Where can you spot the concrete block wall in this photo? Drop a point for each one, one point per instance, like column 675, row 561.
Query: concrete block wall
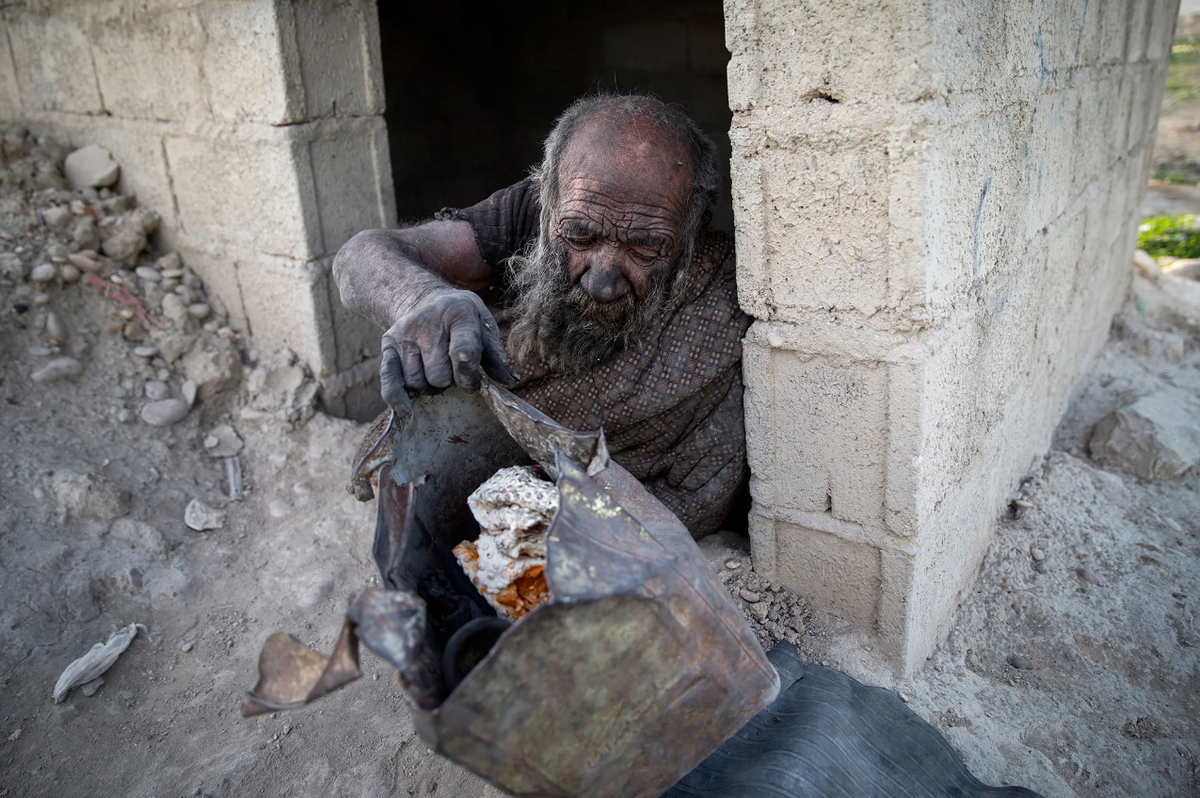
column 255, row 127
column 936, row 210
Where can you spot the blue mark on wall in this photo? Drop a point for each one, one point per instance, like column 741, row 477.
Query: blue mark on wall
column 987, row 185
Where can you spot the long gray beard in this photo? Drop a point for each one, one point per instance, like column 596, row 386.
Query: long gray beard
column 559, row 326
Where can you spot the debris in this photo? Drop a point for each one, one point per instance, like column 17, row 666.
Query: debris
column 199, row 311
column 233, row 478
column 68, row 273
column 91, row 687
column 1018, row 662
column 156, row 390
column 165, row 412
column 200, row 517
column 147, row 273
column 748, row 596
column 84, row 262
column 188, row 392
column 99, row 659
column 138, row 535
column 222, row 441
column 126, row 243
column 1157, row 437
column 214, row 365
column 1037, row 554
column 58, row 216
column 278, row 508
column 1088, row 575
column 43, row 273
column 58, row 369
column 283, row 385
column 16, row 735
column 91, row 167
column 508, row 561
column 80, row 496
column 173, row 346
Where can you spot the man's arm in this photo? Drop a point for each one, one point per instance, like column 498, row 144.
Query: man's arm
column 418, row 285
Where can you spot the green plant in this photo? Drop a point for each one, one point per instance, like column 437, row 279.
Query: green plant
column 1177, row 236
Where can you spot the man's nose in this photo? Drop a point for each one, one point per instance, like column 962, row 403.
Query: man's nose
column 603, row 280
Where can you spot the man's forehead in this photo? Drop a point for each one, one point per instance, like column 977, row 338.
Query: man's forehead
column 636, row 144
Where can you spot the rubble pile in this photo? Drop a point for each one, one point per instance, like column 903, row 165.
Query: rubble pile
column 65, row 228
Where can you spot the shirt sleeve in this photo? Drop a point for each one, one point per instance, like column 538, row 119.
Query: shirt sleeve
column 503, row 223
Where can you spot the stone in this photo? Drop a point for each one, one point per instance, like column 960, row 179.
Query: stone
column 138, row 535
column 69, row 274
column 58, row 216
column 43, row 273
column 175, row 311
column 222, row 441
column 126, row 242
column 278, row 508
column 165, row 412
column 58, row 369
column 746, row 595
column 214, row 365
column 1156, row 437
column 56, row 329
column 84, row 261
column 81, row 495
column 171, row 265
column 156, row 390
column 91, row 167
column 146, row 219
column 146, row 351
column 201, row 518
column 282, row 385
column 12, row 267
column 199, row 311
column 173, row 346
column 1018, row 662
column 188, row 392
column 85, row 234
column 41, row 300
column 91, row 687
column 1037, row 554
column 133, row 331
column 186, row 648
column 148, row 274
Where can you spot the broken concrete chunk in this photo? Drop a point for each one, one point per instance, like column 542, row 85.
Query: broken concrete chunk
column 200, row 517
column 222, row 441
column 1157, row 437
column 58, row 369
column 80, row 495
column 91, row 167
column 126, row 242
column 214, row 365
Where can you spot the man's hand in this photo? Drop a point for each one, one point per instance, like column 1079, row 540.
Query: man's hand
column 443, row 341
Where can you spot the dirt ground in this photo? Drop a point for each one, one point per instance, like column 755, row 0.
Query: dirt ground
column 92, row 538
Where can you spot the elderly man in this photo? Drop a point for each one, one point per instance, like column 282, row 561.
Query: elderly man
column 615, row 304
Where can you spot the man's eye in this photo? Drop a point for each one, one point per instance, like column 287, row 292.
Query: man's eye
column 581, row 241
column 644, row 255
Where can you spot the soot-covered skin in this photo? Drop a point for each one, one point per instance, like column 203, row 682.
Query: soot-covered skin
column 623, row 201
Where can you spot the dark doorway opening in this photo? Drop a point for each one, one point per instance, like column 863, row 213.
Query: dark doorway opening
column 473, row 89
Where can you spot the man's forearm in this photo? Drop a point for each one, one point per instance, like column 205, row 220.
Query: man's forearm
column 381, row 276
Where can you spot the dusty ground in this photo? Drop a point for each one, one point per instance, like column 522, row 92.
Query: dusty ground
column 92, row 538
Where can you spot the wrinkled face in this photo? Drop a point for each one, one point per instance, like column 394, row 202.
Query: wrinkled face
column 603, row 269
column 623, row 202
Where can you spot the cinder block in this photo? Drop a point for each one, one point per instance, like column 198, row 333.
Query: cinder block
column 829, row 428
column 248, row 78
column 54, row 63
column 340, row 66
column 151, row 68
column 967, row 53
column 10, row 95
column 288, row 305
column 1161, row 27
column 353, row 179
column 246, row 193
column 836, row 575
column 826, row 230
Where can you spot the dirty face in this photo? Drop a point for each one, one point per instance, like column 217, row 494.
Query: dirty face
column 623, row 202
column 603, row 268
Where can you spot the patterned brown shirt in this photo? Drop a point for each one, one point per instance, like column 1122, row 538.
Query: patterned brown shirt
column 670, row 406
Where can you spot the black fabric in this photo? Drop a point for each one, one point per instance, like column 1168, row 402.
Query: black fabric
column 829, row 736
column 503, row 223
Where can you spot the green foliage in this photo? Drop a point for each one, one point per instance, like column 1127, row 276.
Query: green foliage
column 1177, row 236
column 1183, row 75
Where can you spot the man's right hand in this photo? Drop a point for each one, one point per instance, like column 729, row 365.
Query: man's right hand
column 443, row 341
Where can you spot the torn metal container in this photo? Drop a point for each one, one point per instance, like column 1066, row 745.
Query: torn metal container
column 637, row 667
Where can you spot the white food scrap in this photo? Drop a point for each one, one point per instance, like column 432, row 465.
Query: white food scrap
column 507, row 563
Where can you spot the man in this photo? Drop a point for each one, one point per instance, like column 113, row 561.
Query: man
column 619, row 306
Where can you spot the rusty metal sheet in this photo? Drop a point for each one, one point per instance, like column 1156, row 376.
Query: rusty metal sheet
column 290, row 674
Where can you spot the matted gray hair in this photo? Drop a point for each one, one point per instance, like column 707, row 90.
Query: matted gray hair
column 706, row 177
